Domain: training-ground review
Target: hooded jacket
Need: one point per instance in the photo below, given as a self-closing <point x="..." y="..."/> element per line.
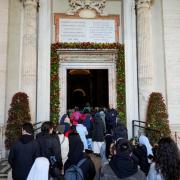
<point x="121" y="168"/>
<point x="22" y="156"/>
<point x="108" y="174"/>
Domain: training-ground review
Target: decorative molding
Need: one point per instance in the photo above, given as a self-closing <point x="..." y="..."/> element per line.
<point x="77" y="5"/>
<point x="34" y="3"/>
<point x="60" y="62"/>
<point x="143" y="3"/>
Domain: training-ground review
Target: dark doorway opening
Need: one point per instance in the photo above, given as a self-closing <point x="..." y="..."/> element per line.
<point x="87" y="85"/>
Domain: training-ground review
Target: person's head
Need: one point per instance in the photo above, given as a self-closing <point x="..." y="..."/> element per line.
<point x="122" y="146"/>
<point x="168" y="159"/>
<point x="85" y="111"/>
<point x="76" y="108"/>
<point x="143" y="140"/>
<point x="67" y="120"/>
<point x="27" y="128"/>
<point x="120" y="131"/>
<point x="87" y="104"/>
<point x="47" y="127"/>
<point x="111" y="106"/>
<point x="97" y="109"/>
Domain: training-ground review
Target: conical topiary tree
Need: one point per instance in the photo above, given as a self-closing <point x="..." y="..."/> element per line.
<point x="18" y="114"/>
<point x="157" y="117"/>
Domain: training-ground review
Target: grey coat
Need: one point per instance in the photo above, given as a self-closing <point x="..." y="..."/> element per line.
<point x="107" y="173"/>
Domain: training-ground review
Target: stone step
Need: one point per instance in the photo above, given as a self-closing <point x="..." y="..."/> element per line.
<point x="4" y="169"/>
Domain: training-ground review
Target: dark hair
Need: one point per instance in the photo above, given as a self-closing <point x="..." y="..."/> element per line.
<point x="28" y="127"/>
<point x="46" y="126"/>
<point x="120" y="131"/>
<point x="123" y="146"/>
<point x="76" y="108"/>
<point x="168" y="159"/>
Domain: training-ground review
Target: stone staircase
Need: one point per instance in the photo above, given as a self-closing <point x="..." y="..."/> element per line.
<point x="4" y="169"/>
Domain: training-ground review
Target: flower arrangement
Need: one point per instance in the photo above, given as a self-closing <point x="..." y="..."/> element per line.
<point x="54" y="93"/>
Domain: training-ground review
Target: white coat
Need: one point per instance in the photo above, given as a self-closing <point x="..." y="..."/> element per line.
<point x="82" y="131"/>
<point x="39" y="170"/>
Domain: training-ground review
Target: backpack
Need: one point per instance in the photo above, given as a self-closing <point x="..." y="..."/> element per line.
<point x="75" y="172"/>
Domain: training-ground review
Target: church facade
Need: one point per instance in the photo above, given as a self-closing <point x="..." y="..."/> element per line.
<point x="148" y="29"/>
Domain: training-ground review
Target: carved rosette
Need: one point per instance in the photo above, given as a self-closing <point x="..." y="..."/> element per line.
<point x="76" y="5"/>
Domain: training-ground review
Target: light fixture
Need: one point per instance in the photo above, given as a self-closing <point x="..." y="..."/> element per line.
<point x="79" y="72"/>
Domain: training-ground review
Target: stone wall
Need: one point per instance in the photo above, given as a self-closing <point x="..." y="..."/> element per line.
<point x="171" y="18"/>
<point x="4" y="10"/>
<point x="112" y="7"/>
<point x="14" y="50"/>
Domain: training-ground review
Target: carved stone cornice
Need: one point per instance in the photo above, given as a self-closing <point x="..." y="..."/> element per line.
<point x="143" y="3"/>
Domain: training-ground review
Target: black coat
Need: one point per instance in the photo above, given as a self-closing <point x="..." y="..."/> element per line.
<point x="141" y="153"/>
<point x="50" y="146"/>
<point x="76" y="154"/>
<point x="98" y="129"/>
<point x="76" y="148"/>
<point x="111" y="116"/>
<point x="22" y="156"/>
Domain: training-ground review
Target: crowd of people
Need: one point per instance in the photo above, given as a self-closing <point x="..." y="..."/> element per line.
<point x="64" y="151"/>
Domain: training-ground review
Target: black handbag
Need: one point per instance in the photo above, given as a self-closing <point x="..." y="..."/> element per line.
<point x="54" y="170"/>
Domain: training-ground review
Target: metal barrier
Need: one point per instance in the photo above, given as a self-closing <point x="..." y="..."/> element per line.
<point x="141" y="125"/>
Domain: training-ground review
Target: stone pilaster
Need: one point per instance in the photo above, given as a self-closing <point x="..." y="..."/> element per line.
<point x="29" y="54"/>
<point x="129" y="19"/>
<point x="145" y="74"/>
<point x="44" y="50"/>
<point x="4" y="9"/>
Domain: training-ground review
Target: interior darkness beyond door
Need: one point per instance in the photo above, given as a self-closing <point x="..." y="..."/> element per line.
<point x="87" y="85"/>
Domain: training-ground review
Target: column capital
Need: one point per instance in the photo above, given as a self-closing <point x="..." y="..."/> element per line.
<point x="143" y="3"/>
<point x="30" y="2"/>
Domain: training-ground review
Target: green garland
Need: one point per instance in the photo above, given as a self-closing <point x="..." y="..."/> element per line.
<point x="54" y="94"/>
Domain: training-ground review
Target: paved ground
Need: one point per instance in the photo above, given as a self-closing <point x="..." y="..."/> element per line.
<point x="96" y="161"/>
<point x="4" y="169"/>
